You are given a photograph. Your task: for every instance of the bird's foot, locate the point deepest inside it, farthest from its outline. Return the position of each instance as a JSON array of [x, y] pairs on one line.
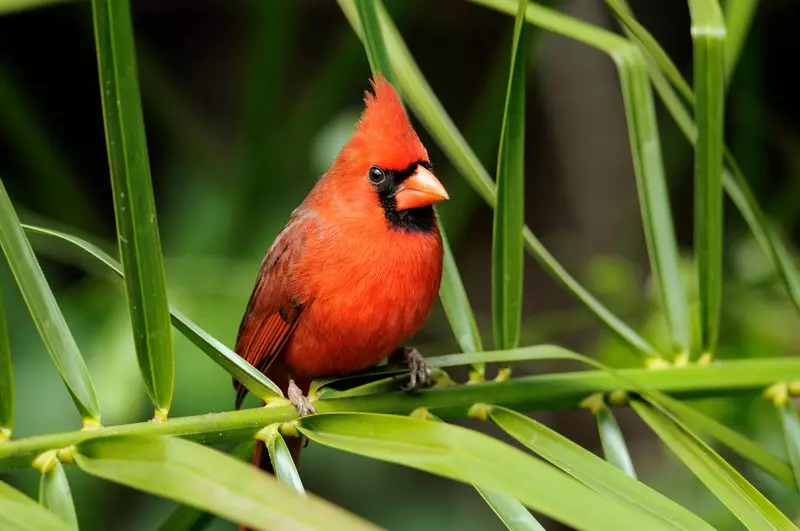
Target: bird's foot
[[418, 370], [299, 400]]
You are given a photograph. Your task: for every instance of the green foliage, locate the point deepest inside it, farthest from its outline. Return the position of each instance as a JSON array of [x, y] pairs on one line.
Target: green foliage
[[365, 414]]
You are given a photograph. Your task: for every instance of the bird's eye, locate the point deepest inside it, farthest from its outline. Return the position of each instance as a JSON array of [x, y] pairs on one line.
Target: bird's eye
[[376, 175]]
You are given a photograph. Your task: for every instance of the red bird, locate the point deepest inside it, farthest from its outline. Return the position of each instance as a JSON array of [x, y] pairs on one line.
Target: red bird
[[357, 267]]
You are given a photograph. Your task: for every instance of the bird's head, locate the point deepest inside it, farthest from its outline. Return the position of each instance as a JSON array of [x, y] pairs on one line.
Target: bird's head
[[384, 165]]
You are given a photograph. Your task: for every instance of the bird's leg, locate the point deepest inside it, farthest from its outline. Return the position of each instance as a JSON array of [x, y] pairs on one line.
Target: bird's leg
[[299, 400], [418, 371]]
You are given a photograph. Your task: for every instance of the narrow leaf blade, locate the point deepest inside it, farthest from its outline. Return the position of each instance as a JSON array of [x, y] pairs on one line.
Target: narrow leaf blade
[[511, 512], [45, 311], [593, 471], [55, 495], [477, 459], [20, 513], [201, 477], [6, 379], [741, 498], [614, 448], [253, 379], [282, 462], [373, 40], [509, 213], [791, 432], [708, 35], [134, 205]]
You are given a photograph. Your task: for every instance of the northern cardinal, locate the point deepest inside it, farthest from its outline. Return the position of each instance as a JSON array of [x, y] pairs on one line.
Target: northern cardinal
[[357, 267]]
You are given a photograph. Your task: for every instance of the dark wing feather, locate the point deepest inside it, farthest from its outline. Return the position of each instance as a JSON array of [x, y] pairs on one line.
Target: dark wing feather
[[273, 310]]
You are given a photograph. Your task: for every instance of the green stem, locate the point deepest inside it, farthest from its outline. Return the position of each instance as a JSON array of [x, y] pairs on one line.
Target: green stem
[[531, 393]]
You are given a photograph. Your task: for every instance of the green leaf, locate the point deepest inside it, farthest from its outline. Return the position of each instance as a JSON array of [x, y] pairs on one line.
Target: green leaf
[[134, 206], [791, 431], [186, 518], [373, 41], [218, 483], [457, 307], [6, 379], [12, 6], [646, 152], [733, 179], [253, 379], [509, 213], [745, 447], [45, 312], [431, 113], [282, 462], [475, 458], [511, 512], [55, 494], [593, 471], [614, 448], [20, 513], [742, 499], [708, 35], [738, 19]]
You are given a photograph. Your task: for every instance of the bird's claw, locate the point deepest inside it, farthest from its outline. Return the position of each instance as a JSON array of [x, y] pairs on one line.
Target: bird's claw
[[299, 400], [419, 373]]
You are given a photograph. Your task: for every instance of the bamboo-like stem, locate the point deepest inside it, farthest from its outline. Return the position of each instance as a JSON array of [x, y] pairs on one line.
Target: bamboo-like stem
[[530, 393]]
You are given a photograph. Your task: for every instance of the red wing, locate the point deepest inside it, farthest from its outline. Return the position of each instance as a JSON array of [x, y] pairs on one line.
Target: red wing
[[273, 309]]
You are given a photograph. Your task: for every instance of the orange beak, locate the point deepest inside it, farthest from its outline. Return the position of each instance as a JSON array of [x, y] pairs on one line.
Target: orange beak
[[419, 190]]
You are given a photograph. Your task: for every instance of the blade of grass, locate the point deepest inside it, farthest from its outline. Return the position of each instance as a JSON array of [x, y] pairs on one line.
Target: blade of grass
[[614, 448], [253, 379], [708, 36], [472, 457], [791, 431], [594, 472], [55, 494], [738, 495], [282, 462], [13, 6], [738, 20], [6, 379], [509, 213], [451, 292], [20, 513], [511, 512], [733, 179], [186, 518], [134, 205], [199, 476], [431, 113], [45, 312]]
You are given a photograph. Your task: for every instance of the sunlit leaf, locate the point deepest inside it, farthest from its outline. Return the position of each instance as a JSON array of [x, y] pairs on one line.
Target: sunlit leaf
[[218, 483], [55, 494], [614, 448], [45, 311], [511, 512], [20, 513], [282, 462]]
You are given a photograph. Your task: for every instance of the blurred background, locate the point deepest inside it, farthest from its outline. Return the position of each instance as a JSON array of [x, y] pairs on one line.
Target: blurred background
[[246, 103]]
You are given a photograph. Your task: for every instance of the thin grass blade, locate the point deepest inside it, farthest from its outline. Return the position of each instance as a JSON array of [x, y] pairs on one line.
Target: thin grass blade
[[791, 432], [614, 448], [734, 181], [708, 36], [6, 379], [253, 379], [205, 478], [592, 470], [134, 205], [373, 40], [56, 496], [511, 512], [20, 513], [457, 307], [431, 113], [509, 213], [739, 16], [46, 313], [739, 496], [282, 462], [475, 458], [186, 518]]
